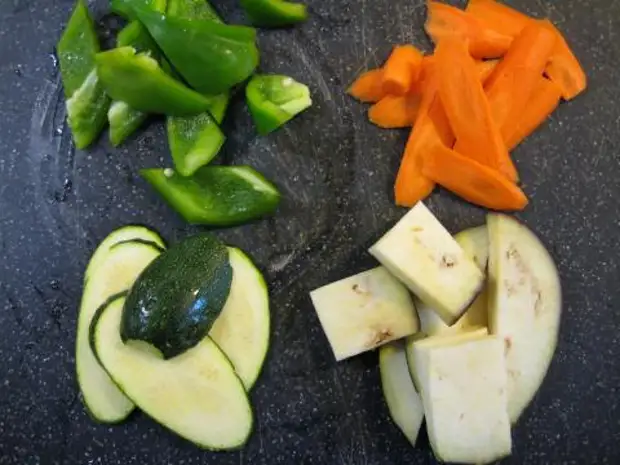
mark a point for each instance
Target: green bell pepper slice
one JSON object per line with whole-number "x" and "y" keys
{"x": 125, "y": 8}
{"x": 211, "y": 57}
{"x": 138, "y": 80}
{"x": 274, "y": 100}
{"x": 192, "y": 9}
{"x": 274, "y": 13}
{"x": 87, "y": 103}
{"x": 216, "y": 195}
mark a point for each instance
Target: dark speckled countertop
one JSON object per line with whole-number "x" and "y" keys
{"x": 335, "y": 170}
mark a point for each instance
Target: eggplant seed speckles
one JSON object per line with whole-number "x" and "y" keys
{"x": 380, "y": 336}
{"x": 448, "y": 261}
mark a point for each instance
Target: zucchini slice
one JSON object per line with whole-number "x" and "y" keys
{"x": 124, "y": 234}
{"x": 116, "y": 270}
{"x": 242, "y": 329}
{"x": 197, "y": 394}
{"x": 403, "y": 401}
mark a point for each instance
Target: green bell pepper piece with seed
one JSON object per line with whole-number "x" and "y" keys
{"x": 274, "y": 13}
{"x": 87, "y": 103}
{"x": 216, "y": 195}
{"x": 138, "y": 80}
{"x": 274, "y": 100}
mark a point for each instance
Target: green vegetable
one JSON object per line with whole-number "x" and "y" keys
{"x": 124, "y": 121}
{"x": 211, "y": 57}
{"x": 138, "y": 80}
{"x": 197, "y": 395}
{"x": 87, "y": 103}
{"x": 274, "y": 13}
{"x": 216, "y": 195}
{"x": 192, "y": 9}
{"x": 176, "y": 300}
{"x": 274, "y": 100}
{"x": 113, "y": 269}
{"x": 125, "y": 8}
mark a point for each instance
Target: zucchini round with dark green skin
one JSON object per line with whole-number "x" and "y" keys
{"x": 176, "y": 300}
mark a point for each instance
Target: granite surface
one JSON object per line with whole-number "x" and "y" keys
{"x": 335, "y": 171}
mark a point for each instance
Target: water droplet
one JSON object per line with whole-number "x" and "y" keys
{"x": 54, "y": 59}
{"x": 18, "y": 71}
{"x": 59, "y": 130}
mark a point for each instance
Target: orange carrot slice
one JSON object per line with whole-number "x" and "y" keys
{"x": 497, "y": 16}
{"x": 564, "y": 69}
{"x": 510, "y": 86}
{"x": 402, "y": 69}
{"x": 467, "y": 108}
{"x": 448, "y": 21}
{"x": 368, "y": 87}
{"x": 485, "y": 69}
{"x": 395, "y": 111}
{"x": 471, "y": 180}
{"x": 543, "y": 101}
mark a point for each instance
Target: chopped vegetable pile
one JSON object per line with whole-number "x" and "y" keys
{"x": 494, "y": 77}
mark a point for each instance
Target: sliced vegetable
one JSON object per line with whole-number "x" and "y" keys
{"x": 178, "y": 297}
{"x": 113, "y": 269}
{"x": 87, "y": 103}
{"x": 472, "y": 181}
{"x": 196, "y": 395}
{"x": 395, "y": 111}
{"x": 274, "y": 13}
{"x": 138, "y": 80}
{"x": 274, "y": 100}
{"x": 485, "y": 69}
{"x": 511, "y": 85}
{"x": 467, "y": 108}
{"x": 445, "y": 21}
{"x": 544, "y": 100}
{"x": 216, "y": 195}
{"x": 363, "y": 312}
{"x": 199, "y": 9}
{"x": 125, "y": 8}
{"x": 423, "y": 255}
{"x": 368, "y": 87}
{"x": 525, "y": 304}
{"x": 403, "y": 401}
{"x": 194, "y": 141}
{"x": 402, "y": 70}
{"x": 498, "y": 16}
{"x": 242, "y": 329}
{"x": 211, "y": 57}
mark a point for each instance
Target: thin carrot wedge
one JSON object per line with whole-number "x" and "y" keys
{"x": 564, "y": 69}
{"x": 402, "y": 69}
{"x": 468, "y": 110}
{"x": 471, "y": 180}
{"x": 395, "y": 111}
{"x": 497, "y": 16}
{"x": 368, "y": 87}
{"x": 543, "y": 101}
{"x": 510, "y": 86}
{"x": 485, "y": 69}
{"x": 448, "y": 21}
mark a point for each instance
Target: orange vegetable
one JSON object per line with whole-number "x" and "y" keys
{"x": 510, "y": 86}
{"x": 395, "y": 111}
{"x": 485, "y": 69}
{"x": 543, "y": 101}
{"x": 467, "y": 108}
{"x": 448, "y": 21}
{"x": 564, "y": 68}
{"x": 497, "y": 16}
{"x": 368, "y": 87}
{"x": 471, "y": 180}
{"x": 402, "y": 69}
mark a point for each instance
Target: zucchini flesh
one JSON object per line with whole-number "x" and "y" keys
{"x": 117, "y": 269}
{"x": 242, "y": 329}
{"x": 124, "y": 234}
{"x": 197, "y": 394}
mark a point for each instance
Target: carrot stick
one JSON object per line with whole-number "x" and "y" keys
{"x": 448, "y": 21}
{"x": 485, "y": 69}
{"x": 467, "y": 108}
{"x": 368, "y": 86}
{"x": 402, "y": 69}
{"x": 471, "y": 180}
{"x": 510, "y": 86}
{"x": 543, "y": 101}
{"x": 497, "y": 16}
{"x": 564, "y": 68}
{"x": 395, "y": 111}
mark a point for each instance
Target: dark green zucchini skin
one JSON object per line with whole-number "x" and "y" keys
{"x": 178, "y": 297}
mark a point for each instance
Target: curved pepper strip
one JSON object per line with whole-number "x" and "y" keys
{"x": 125, "y": 8}
{"x": 216, "y": 195}
{"x": 87, "y": 103}
{"x": 274, "y": 100}
{"x": 138, "y": 80}
{"x": 274, "y": 13}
